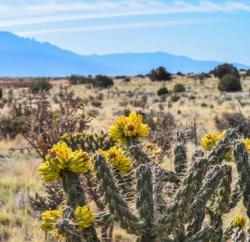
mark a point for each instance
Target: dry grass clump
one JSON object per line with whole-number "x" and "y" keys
{"x": 18, "y": 176}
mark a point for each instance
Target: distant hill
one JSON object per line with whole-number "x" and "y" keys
{"x": 27, "y": 57}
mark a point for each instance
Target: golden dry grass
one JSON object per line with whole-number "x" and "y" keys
{"x": 18, "y": 176}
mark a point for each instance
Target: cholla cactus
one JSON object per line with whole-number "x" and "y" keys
{"x": 75, "y": 220}
{"x": 174, "y": 217}
{"x": 191, "y": 210}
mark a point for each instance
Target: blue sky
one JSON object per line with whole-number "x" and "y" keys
{"x": 202, "y": 29}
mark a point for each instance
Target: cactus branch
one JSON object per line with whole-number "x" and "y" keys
{"x": 144, "y": 201}
{"x": 185, "y": 195}
{"x": 116, "y": 203}
{"x": 221, "y": 149}
{"x": 76, "y": 197}
{"x": 180, "y": 156}
{"x": 243, "y": 167}
{"x": 197, "y": 210}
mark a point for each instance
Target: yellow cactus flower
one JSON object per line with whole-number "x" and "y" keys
{"x": 48, "y": 173}
{"x": 83, "y": 217}
{"x": 61, "y": 157}
{"x": 80, "y": 162}
{"x": 238, "y": 221}
{"x": 50, "y": 218}
{"x": 128, "y": 127}
{"x": 209, "y": 140}
{"x": 116, "y": 157}
{"x": 57, "y": 236}
{"x": 153, "y": 149}
{"x": 116, "y": 131}
{"x": 56, "y": 116}
{"x": 229, "y": 156}
{"x": 221, "y": 135}
{"x": 150, "y": 146}
{"x": 246, "y": 142}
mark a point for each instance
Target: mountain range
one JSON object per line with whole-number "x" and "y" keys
{"x": 27, "y": 57}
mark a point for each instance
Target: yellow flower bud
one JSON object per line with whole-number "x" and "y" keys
{"x": 116, "y": 157}
{"x": 49, "y": 219}
{"x": 128, "y": 127}
{"x": 238, "y": 221}
{"x": 61, "y": 157}
{"x": 83, "y": 217}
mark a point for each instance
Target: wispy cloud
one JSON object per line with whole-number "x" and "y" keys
{"x": 136, "y": 25}
{"x": 176, "y": 7}
{"x": 53, "y": 12}
{"x": 73, "y": 11}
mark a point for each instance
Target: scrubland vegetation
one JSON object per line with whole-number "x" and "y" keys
{"x": 159, "y": 157}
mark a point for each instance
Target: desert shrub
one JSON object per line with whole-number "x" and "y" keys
{"x": 160, "y": 74}
{"x": 225, "y": 69}
{"x": 126, "y": 79}
{"x": 179, "y": 88}
{"x": 174, "y": 98}
{"x": 162, "y": 91}
{"x": 41, "y": 124}
{"x": 139, "y": 102}
{"x": 121, "y": 77}
{"x": 40, "y": 85}
{"x": 229, "y": 83}
{"x": 11, "y": 126}
{"x": 204, "y": 105}
{"x": 233, "y": 120}
{"x": 5, "y": 233}
{"x": 246, "y": 74}
{"x": 180, "y": 74}
{"x": 10, "y": 97}
{"x": 96, "y": 104}
{"x": 14, "y": 122}
{"x": 140, "y": 76}
{"x": 74, "y": 79}
{"x": 162, "y": 126}
{"x": 100, "y": 96}
{"x": 201, "y": 76}
{"x": 1, "y": 93}
{"x": 77, "y": 79}
{"x": 49, "y": 124}
{"x": 103, "y": 81}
